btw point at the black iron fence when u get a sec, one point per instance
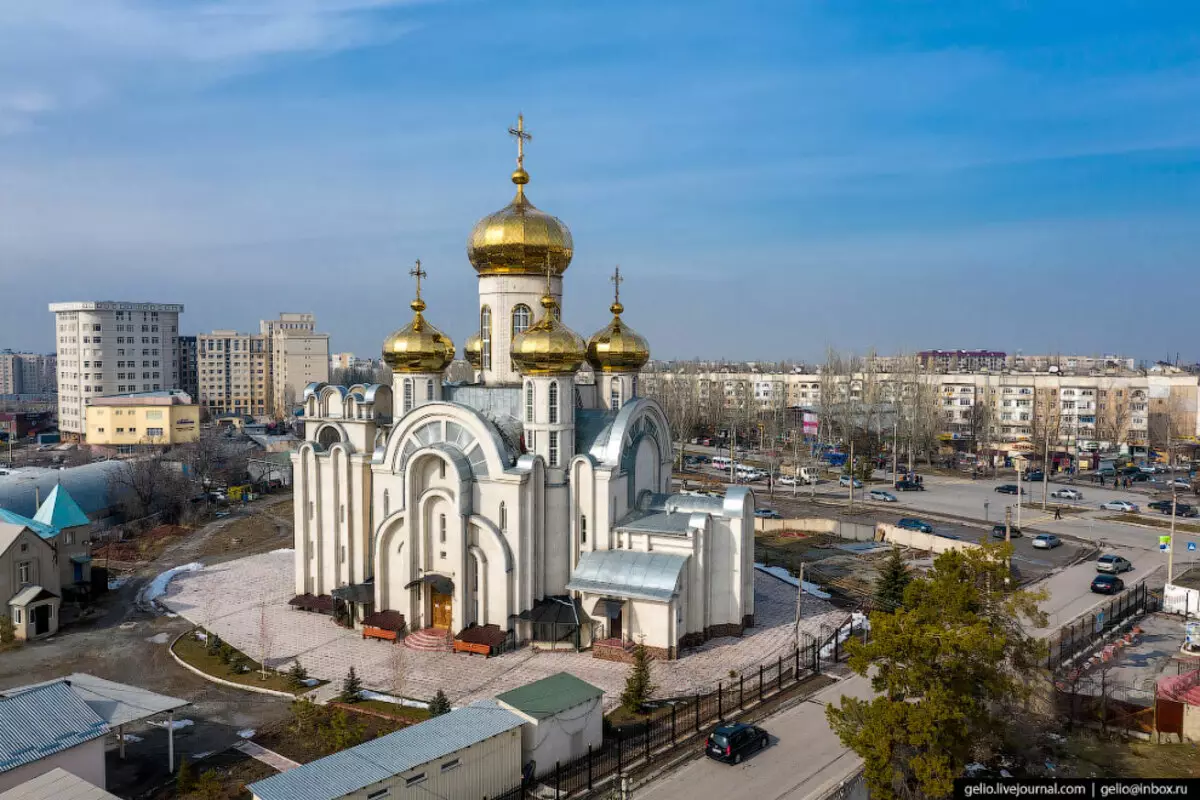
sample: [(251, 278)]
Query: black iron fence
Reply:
[(1081, 635), (676, 720)]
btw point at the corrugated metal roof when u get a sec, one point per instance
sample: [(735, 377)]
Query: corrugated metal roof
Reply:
[(42, 530), (350, 770), (43, 722), (115, 703), (60, 511), (626, 573), (550, 696), (57, 784)]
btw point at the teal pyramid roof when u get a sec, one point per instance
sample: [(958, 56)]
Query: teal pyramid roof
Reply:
[(41, 529), (60, 510)]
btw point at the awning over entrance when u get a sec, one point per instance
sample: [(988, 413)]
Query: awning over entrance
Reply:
[(439, 583), (356, 593), (626, 573), (81, 559), (611, 609), (31, 594), (556, 610)]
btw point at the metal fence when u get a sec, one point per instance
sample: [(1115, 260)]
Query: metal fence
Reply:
[(675, 720), (1081, 635)]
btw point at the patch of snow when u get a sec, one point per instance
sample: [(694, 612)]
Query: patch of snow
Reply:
[(176, 725), (311, 681), (1005, 773), (172, 615), (159, 638), (202, 636), (199, 756), (158, 587), (117, 583), (367, 694), (129, 737), (810, 589), (283, 550), (858, 623), (974, 768), (248, 733)]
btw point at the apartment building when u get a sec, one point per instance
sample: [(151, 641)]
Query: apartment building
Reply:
[(26, 373), (961, 360), (130, 422), (108, 347), (189, 366), (261, 374)]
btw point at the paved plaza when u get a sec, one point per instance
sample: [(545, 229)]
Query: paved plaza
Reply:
[(241, 599)]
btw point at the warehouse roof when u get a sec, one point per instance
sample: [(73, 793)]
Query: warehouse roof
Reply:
[(550, 696), (42, 722), (115, 703), (357, 768)]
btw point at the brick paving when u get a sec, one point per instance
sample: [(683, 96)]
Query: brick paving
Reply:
[(238, 599)]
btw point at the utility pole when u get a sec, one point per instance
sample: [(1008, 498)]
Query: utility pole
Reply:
[(1171, 545), (1046, 471), (799, 594), (796, 457), (1008, 525), (895, 449), (851, 473), (732, 453)]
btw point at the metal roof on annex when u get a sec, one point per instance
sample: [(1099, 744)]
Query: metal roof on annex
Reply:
[(42, 722), (115, 703), (625, 573), (550, 696)]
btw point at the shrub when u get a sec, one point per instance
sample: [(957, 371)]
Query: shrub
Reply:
[(297, 676), (440, 704), (351, 687)]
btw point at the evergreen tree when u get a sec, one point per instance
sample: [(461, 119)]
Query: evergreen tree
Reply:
[(638, 686), (185, 779), (351, 687), (440, 704), (8, 633), (297, 676), (893, 579), (949, 670)]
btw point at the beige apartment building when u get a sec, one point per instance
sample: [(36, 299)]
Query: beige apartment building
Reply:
[(261, 374), (143, 419), (107, 347)]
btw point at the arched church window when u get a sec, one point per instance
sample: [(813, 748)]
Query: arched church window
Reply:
[(553, 402), (485, 337), (520, 318), (386, 502), (614, 394), (442, 528), (442, 468), (529, 401), (633, 386), (583, 528), (503, 518), (408, 395), (428, 390)]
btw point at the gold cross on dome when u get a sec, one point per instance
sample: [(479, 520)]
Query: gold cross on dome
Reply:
[(418, 273), (522, 137), (617, 280)]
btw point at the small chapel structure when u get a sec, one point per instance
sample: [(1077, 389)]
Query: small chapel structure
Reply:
[(524, 506)]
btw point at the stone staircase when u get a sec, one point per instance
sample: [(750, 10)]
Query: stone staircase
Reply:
[(430, 640)]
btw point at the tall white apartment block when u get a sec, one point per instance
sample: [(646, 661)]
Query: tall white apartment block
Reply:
[(108, 347)]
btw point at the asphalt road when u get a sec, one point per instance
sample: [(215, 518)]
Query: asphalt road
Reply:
[(803, 760)]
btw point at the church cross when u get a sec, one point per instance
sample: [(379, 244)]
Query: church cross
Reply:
[(617, 280), (418, 273), (522, 137)]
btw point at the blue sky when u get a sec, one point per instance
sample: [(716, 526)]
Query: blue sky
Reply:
[(773, 178)]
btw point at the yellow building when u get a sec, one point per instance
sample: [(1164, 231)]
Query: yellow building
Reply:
[(142, 419)]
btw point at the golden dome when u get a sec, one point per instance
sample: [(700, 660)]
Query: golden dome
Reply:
[(617, 347), (473, 350), (518, 239), (548, 347), (418, 346)]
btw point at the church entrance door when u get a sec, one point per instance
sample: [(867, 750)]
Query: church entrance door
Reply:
[(614, 627), (443, 609)]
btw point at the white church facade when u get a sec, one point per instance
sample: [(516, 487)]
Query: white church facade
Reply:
[(524, 506)]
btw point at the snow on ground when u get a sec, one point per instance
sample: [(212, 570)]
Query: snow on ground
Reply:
[(176, 724), (158, 587), (787, 577)]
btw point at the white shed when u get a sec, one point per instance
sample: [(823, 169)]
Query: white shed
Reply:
[(565, 716)]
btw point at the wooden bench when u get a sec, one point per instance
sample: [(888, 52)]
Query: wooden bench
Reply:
[(471, 647), (370, 632)]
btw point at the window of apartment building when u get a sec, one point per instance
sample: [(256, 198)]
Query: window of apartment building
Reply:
[(154, 432)]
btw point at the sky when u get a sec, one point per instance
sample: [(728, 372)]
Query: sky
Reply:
[(773, 178)]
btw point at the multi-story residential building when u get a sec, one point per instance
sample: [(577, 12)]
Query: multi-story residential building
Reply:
[(261, 374), (130, 422), (342, 361), (26, 373), (189, 366), (107, 347), (961, 360), (1070, 364)]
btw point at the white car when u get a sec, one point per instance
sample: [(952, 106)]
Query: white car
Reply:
[(1067, 494), (1180, 483), (1120, 505), (788, 480), (882, 496)]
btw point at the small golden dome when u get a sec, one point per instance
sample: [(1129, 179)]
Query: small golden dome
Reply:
[(548, 347), (418, 346), (617, 347), (473, 350)]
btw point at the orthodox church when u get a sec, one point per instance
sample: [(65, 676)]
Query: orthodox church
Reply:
[(527, 506)]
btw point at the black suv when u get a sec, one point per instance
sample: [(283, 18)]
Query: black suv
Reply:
[(998, 532), (732, 742), (910, 486)]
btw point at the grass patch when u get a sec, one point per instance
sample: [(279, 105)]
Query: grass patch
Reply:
[(317, 731), (1091, 756), (406, 713), (1156, 521), (195, 652)]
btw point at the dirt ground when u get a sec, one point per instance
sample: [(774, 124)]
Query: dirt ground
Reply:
[(850, 574), (123, 642)]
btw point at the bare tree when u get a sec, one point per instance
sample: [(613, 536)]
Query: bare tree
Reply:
[(348, 376), (397, 668), (1112, 416), (266, 636), (675, 389), (1045, 425), (146, 486)]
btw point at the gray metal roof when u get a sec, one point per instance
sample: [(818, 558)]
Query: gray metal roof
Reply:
[(29, 594), (655, 522), (88, 484), (42, 722), (590, 425), (57, 784), (357, 768), (115, 703), (625, 573)]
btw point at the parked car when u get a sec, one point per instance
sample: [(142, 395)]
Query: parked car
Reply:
[(1046, 541), (731, 743), (998, 531), (1009, 488), (767, 513), (1181, 510), (788, 480), (1160, 505), (1035, 476), (882, 496), (1114, 564), (910, 486), (1180, 483), (1067, 494), (1120, 505), (1107, 584), (846, 479), (912, 524)]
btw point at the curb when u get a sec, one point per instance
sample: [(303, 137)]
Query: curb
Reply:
[(223, 682)]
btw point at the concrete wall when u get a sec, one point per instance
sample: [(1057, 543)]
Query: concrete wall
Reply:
[(1181, 600), (846, 530), (1191, 723), (563, 737), (83, 761), (920, 541)]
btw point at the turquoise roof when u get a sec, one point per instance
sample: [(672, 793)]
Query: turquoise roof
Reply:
[(42, 530), (60, 511)]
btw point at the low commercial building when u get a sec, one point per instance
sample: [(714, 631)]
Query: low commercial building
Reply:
[(564, 719), (471, 752), (143, 419)]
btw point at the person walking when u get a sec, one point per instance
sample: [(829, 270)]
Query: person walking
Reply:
[(1058, 513)]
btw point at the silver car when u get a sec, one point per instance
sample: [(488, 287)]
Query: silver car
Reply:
[(1113, 564), (1067, 494), (1046, 541), (1120, 505), (882, 496)]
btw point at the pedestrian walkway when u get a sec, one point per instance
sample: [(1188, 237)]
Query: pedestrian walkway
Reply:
[(268, 757)]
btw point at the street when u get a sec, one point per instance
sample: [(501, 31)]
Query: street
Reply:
[(804, 759)]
